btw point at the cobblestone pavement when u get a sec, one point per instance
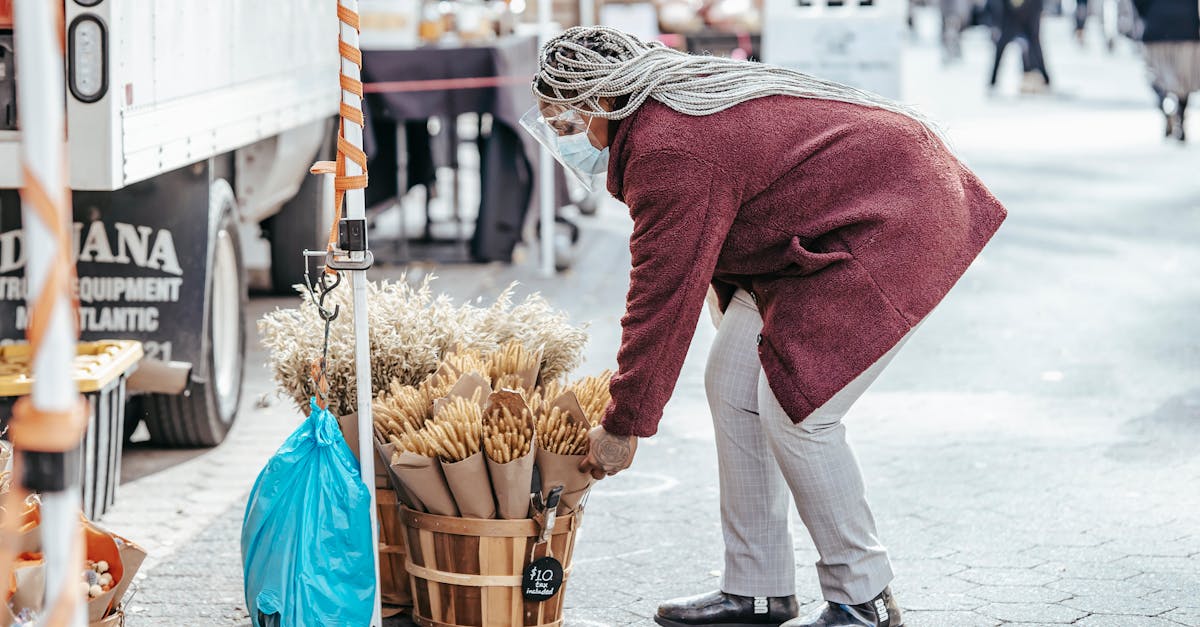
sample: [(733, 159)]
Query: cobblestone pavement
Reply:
[(1030, 455)]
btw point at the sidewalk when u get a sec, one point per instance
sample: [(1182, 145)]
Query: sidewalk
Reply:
[(1030, 455)]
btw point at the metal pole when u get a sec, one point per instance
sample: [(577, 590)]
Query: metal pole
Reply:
[(545, 167), (46, 218), (356, 210), (587, 12)]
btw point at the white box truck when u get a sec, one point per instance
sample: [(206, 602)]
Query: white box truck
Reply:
[(191, 128), (856, 42)]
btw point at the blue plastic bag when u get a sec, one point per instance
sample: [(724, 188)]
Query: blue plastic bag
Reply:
[(306, 537)]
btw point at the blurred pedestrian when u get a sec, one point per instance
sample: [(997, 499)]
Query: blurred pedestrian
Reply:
[(1081, 16), (956, 15), (1022, 19), (1172, 49), (827, 223)]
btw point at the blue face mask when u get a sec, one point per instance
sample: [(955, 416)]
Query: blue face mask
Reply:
[(579, 153)]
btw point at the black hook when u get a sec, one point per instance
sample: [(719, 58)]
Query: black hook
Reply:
[(326, 289), (322, 286)]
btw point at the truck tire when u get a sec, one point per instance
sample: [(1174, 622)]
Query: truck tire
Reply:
[(203, 414), (302, 223)]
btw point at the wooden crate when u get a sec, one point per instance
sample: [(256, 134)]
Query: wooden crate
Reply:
[(466, 572)]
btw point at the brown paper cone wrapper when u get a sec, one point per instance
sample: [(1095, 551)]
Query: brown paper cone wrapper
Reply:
[(569, 403), (98, 607), (471, 487), (512, 483), (467, 385), (29, 540), (31, 583), (348, 425), (564, 470), (116, 619), (506, 399), (102, 545), (31, 586), (422, 477), (132, 557), (406, 496)]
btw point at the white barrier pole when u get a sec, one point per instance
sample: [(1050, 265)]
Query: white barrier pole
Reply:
[(545, 167), (40, 99), (355, 210), (587, 12)]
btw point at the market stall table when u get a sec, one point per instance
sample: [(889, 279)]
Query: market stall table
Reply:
[(407, 87)]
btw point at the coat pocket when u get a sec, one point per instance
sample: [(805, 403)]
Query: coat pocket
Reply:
[(804, 262)]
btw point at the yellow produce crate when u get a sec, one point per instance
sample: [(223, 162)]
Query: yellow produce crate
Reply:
[(96, 366), (100, 371)]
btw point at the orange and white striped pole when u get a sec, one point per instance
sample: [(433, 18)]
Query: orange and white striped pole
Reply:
[(350, 178), (354, 164), (47, 425)]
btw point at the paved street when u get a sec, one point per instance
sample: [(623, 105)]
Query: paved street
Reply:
[(1030, 455)]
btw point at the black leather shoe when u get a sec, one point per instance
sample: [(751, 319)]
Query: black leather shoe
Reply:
[(727, 610), (881, 611)]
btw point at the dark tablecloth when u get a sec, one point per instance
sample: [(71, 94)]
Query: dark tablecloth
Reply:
[(507, 155)]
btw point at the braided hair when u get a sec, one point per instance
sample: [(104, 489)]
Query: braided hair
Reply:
[(584, 64)]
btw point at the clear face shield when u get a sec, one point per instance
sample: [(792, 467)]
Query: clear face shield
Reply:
[(568, 136)]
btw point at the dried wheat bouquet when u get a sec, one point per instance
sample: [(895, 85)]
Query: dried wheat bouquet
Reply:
[(507, 437), (403, 409), (457, 430), (557, 434), (411, 332), (514, 367), (593, 395)]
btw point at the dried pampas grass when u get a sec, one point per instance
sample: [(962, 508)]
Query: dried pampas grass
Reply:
[(411, 332)]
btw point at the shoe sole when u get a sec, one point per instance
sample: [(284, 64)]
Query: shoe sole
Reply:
[(666, 622)]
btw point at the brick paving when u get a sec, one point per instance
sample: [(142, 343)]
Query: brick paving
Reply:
[(1030, 455)]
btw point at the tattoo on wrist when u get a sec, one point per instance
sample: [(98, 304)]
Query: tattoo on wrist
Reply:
[(612, 452)]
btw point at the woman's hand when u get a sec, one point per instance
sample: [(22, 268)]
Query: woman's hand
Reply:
[(608, 454)]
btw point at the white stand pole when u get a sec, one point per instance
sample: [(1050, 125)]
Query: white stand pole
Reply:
[(40, 99), (60, 522), (587, 12), (355, 210), (546, 207), (545, 167)]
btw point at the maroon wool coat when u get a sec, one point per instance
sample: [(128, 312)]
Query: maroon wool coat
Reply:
[(847, 224)]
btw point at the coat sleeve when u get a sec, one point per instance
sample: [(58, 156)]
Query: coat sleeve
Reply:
[(682, 208)]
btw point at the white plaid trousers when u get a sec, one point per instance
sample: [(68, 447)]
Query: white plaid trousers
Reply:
[(762, 456)]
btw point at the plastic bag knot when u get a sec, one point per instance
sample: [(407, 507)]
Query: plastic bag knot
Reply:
[(325, 427)]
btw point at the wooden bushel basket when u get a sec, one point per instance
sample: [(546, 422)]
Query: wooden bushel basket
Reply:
[(393, 580), (467, 572)]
